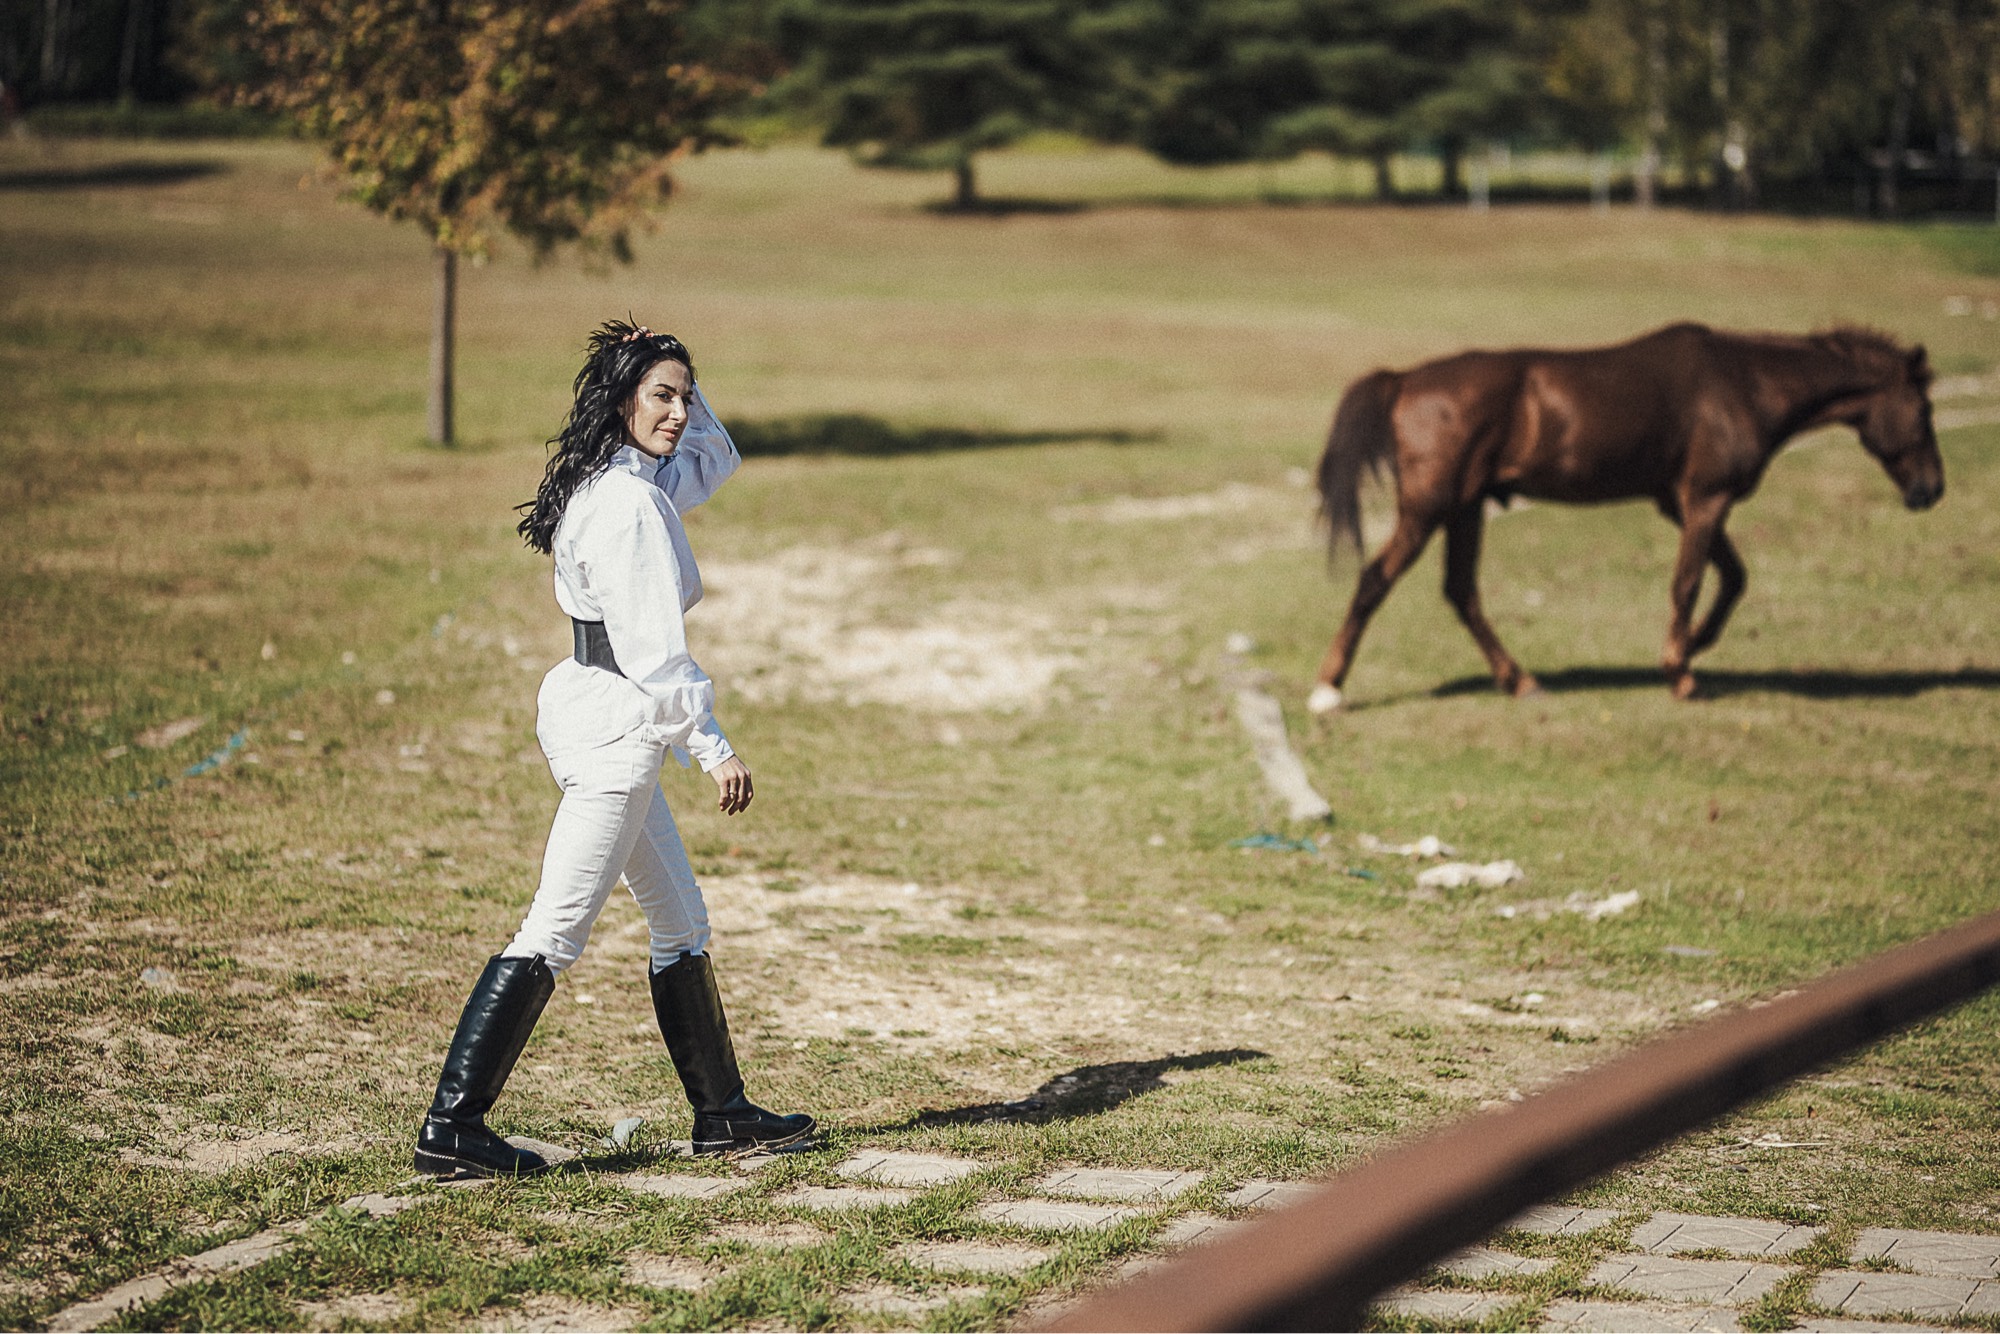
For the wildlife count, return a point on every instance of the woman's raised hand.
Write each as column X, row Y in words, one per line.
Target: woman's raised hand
column 732, row 778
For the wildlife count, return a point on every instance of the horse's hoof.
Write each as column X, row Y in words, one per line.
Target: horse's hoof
column 1527, row 686
column 1324, row 698
column 1683, row 686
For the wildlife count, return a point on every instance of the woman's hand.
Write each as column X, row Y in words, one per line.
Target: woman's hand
column 732, row 778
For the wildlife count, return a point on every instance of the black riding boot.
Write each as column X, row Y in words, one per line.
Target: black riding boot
column 691, row 1020
column 498, row 1017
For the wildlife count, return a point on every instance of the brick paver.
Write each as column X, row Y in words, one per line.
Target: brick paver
column 1835, row 1325
column 1191, row 1228
column 887, row 1299
column 1934, row 1295
column 1456, row 1307
column 1636, row 1317
column 1560, row 1220
column 841, row 1197
column 1672, row 1234
column 1056, row 1217
column 1485, row 1262
column 1268, row 1194
column 907, row 1169
column 1931, row 1252
column 975, row 1257
column 680, row 1187
column 1094, row 1184
column 1720, row 1282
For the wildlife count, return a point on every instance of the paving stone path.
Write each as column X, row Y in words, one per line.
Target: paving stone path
column 1661, row 1272
column 1899, row 1280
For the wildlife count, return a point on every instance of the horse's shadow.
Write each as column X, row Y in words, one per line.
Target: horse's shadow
column 1817, row 683
column 1088, row 1090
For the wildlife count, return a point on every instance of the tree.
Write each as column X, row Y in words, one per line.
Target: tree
column 1233, row 80
column 927, row 85
column 552, row 120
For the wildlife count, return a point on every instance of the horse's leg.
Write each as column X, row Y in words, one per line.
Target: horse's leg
column 1701, row 523
column 1462, row 532
column 1730, row 574
column 1731, row 579
column 1397, row 555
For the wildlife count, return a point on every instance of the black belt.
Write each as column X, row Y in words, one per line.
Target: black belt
column 593, row 645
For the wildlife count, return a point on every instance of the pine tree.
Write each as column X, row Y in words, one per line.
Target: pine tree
column 929, row 84
column 1235, row 80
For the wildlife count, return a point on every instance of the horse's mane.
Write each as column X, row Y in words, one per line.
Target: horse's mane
column 1874, row 351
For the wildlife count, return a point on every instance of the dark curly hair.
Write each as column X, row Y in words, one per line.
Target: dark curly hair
column 616, row 358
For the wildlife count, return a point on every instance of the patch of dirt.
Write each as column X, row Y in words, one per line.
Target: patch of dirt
column 813, row 623
column 548, row 1314
column 885, row 1299
column 1015, row 990
column 374, row 1308
column 1233, row 498
column 501, row 1247
column 670, row 1271
column 216, row 1155
column 776, row 1236
column 840, row 956
column 361, row 954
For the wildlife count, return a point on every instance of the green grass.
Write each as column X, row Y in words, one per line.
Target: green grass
column 214, row 388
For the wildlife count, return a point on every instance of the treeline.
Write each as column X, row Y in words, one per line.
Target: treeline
column 1739, row 101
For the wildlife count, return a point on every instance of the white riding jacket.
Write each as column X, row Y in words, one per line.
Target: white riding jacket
column 622, row 557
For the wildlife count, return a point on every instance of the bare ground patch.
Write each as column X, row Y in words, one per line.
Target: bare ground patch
column 815, row 623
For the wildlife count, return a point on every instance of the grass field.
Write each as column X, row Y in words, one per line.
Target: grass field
column 977, row 662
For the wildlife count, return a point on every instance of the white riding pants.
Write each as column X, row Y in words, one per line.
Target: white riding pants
column 613, row 821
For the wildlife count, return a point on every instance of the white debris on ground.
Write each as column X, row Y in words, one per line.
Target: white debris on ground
column 1286, row 776
column 1598, row 909
column 829, row 623
column 166, row 734
column 1458, row 875
column 1427, row 846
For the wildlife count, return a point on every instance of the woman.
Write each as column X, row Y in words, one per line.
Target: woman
column 639, row 447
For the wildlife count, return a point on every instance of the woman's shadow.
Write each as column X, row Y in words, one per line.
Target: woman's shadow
column 1088, row 1090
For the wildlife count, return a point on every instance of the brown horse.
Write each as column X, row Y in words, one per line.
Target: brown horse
column 1686, row 417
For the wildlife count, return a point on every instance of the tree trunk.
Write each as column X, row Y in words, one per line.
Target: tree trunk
column 1385, row 183
column 55, row 49
column 1886, row 201
column 1723, row 194
column 444, row 316
column 965, row 196
column 1451, row 156
column 128, row 55
column 1646, row 180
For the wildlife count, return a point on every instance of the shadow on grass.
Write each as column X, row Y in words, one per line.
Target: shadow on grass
column 1005, row 206
column 1088, row 1090
column 1807, row 684
column 109, row 173
column 856, row 433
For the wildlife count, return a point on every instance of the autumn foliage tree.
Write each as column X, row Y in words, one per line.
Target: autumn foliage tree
column 554, row 121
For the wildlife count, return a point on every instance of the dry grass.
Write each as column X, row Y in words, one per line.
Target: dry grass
column 985, row 673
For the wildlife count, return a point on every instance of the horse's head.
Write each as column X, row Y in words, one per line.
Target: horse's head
column 1895, row 426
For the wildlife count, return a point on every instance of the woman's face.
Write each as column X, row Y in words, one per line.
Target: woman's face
column 658, row 412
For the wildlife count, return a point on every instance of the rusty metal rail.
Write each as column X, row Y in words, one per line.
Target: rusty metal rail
column 1317, row 1264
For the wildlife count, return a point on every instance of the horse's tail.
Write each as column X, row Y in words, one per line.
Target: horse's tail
column 1363, row 439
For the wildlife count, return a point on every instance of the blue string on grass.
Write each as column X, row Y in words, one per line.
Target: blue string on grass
column 215, row 760
column 1275, row 843
column 208, row 764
